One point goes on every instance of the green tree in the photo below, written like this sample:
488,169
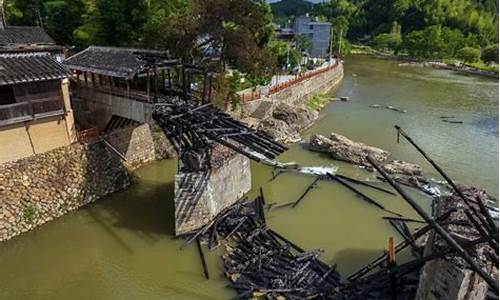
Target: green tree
340,25
387,41
490,53
303,42
284,54
469,54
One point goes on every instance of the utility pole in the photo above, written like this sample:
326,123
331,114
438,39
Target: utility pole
331,43
340,43
38,14
287,56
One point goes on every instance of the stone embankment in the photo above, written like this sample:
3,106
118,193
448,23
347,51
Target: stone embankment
43,187
40,188
283,113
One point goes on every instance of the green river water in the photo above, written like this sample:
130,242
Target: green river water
122,246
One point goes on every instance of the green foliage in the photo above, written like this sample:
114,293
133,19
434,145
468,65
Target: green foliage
291,7
387,41
469,54
318,101
29,213
285,54
490,53
303,42
443,25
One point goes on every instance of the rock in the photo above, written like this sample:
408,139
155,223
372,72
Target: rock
345,98
287,121
402,167
375,105
342,148
279,130
297,117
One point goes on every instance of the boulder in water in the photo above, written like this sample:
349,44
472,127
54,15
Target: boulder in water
342,148
402,167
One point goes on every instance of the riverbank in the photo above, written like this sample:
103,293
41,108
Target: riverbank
446,64
286,110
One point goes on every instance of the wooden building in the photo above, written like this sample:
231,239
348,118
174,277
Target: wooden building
35,110
123,82
22,39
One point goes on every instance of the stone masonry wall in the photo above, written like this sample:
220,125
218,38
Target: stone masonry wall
141,144
300,92
443,280
40,188
227,183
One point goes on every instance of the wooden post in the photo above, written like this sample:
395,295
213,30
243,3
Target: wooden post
209,89
128,88
85,78
204,95
391,262
202,257
148,87
392,252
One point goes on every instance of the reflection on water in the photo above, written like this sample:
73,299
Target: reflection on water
122,247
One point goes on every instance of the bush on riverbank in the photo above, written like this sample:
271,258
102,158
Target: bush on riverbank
317,102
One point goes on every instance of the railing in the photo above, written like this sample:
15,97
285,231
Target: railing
88,135
256,95
29,110
279,87
115,91
250,96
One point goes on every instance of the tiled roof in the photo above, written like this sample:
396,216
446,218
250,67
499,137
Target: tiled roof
116,62
30,67
24,35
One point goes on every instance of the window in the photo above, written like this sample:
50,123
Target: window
7,95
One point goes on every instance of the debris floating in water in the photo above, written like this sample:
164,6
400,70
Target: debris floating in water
396,109
294,167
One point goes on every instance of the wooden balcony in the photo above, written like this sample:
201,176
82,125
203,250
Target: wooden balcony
31,110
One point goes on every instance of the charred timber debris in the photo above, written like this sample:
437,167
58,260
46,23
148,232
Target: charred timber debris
260,262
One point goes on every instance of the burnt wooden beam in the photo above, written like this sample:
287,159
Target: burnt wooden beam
308,189
438,229
450,182
202,258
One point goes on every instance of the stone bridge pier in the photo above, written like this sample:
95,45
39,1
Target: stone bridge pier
200,196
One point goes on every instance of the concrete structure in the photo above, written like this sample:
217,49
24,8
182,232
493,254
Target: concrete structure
35,109
319,33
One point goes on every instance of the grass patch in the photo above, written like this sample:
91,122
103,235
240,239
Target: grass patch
482,66
29,213
317,102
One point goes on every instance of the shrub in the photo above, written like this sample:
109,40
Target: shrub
469,54
490,53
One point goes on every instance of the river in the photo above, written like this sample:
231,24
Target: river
122,246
